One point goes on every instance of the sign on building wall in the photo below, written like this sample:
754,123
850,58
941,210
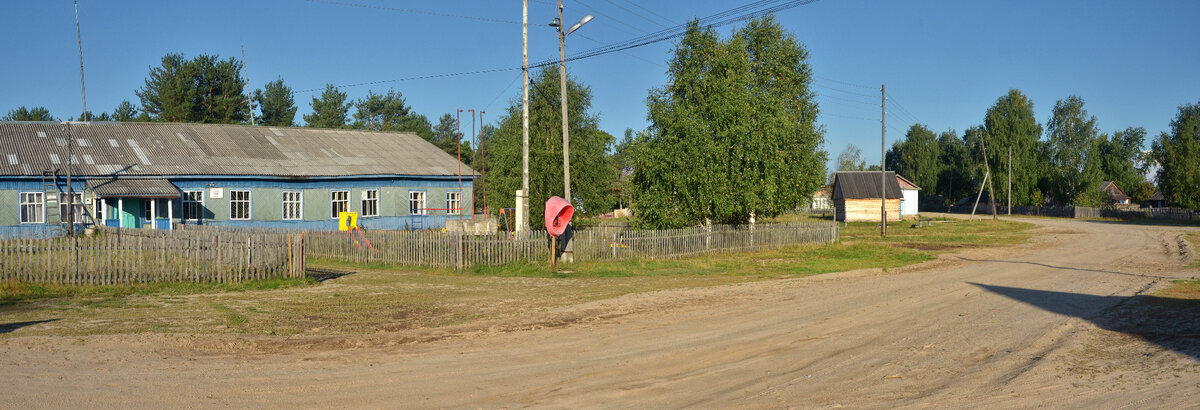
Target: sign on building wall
216,193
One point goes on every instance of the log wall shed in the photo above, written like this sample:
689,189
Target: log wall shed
856,196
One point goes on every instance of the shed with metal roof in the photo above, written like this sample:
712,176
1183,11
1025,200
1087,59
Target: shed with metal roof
857,196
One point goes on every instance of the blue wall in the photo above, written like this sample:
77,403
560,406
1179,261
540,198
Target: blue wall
266,200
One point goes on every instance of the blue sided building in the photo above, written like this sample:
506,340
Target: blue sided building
160,175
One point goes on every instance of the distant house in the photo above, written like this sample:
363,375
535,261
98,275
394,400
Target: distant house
1118,196
856,196
1156,201
823,199
158,175
908,201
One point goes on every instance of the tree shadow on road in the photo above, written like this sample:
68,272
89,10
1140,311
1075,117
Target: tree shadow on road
1170,323
10,327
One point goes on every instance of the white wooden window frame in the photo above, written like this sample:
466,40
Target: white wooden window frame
193,207
453,203
233,201
296,203
370,202
416,203
339,201
32,204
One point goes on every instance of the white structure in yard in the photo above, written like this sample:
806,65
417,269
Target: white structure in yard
908,200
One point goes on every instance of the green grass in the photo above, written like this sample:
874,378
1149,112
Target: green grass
790,261
14,292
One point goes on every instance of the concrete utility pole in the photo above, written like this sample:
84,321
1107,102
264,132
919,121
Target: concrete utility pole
882,161
568,250
483,165
474,148
523,194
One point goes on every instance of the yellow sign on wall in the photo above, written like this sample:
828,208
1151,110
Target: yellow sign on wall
347,220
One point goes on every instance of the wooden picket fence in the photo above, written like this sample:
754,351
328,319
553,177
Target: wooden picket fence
211,254
120,256
455,250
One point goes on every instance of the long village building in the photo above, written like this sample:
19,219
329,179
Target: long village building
158,175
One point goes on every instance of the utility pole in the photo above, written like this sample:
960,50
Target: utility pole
882,161
70,138
568,255
458,147
523,196
1010,180
483,163
246,72
474,148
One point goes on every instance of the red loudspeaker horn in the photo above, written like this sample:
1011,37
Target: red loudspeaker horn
558,214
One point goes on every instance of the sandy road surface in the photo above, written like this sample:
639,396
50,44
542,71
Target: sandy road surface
1015,327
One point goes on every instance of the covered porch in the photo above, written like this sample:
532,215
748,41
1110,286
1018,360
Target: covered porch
135,203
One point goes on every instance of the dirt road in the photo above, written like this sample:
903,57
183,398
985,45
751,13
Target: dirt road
1033,325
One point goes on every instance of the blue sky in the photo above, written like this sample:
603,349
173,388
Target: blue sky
944,62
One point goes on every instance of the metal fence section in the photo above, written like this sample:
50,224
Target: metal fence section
121,256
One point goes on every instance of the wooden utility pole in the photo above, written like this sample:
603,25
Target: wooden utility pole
1010,180
882,160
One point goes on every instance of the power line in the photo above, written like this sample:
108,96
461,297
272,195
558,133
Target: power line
611,18
906,111
845,99
849,117
669,21
635,13
502,92
843,91
413,11
736,14
869,87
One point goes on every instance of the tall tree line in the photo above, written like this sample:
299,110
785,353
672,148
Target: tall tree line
1062,163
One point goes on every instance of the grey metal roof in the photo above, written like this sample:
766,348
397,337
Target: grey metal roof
134,188
863,184
152,149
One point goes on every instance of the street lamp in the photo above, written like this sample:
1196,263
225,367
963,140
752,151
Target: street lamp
562,84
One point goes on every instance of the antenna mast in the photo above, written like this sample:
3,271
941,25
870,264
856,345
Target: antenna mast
246,72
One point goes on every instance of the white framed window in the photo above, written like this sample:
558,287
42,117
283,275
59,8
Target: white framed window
454,203
193,205
370,202
339,201
33,207
293,205
77,204
416,203
239,205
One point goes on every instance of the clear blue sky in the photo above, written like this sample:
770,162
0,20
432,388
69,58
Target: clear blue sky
944,62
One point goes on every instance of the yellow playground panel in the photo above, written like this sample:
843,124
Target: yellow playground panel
347,221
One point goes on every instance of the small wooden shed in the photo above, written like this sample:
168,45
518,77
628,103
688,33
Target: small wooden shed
856,196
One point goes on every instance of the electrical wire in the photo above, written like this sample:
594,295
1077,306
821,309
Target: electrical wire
843,91
643,17
413,11
734,15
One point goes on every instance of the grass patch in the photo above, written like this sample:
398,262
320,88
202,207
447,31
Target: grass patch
1182,289
12,292
1193,239
789,261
